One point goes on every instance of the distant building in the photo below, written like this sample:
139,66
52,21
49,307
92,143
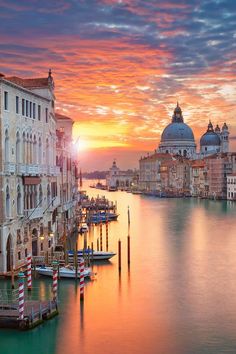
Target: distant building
66,160
231,186
177,137
117,179
150,170
214,141
218,167
199,186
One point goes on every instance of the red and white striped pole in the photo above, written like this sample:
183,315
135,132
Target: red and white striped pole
54,280
21,297
29,273
81,278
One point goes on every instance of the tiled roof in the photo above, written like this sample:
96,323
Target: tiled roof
29,83
156,156
61,116
196,164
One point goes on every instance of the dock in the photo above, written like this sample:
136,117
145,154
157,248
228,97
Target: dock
35,313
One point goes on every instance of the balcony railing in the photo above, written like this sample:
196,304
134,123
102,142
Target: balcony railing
9,167
33,213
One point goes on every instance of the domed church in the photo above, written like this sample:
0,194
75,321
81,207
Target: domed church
215,140
177,137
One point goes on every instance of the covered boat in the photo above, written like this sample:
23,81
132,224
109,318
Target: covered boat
65,272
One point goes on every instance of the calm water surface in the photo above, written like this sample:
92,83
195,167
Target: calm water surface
179,296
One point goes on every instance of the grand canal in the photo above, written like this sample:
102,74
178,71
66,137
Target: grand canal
178,297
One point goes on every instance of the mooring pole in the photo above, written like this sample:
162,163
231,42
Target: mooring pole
128,249
29,272
21,295
119,255
54,280
81,279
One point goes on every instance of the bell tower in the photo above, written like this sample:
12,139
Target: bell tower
225,138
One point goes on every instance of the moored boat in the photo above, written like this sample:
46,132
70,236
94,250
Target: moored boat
102,217
65,272
96,255
83,228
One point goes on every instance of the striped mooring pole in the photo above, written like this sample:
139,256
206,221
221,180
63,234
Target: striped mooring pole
81,278
54,280
29,273
21,295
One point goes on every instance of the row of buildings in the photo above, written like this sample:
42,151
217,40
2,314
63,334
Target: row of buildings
175,175
177,169
39,172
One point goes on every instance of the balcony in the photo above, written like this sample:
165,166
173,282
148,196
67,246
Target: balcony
9,167
32,169
33,213
54,204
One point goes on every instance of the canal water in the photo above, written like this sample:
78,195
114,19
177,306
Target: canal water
178,297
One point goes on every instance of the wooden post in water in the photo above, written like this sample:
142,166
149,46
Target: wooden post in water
85,240
76,261
34,265
88,255
128,249
100,236
128,217
92,252
119,255
106,235
97,244
46,258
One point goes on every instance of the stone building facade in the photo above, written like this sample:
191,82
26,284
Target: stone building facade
117,179
30,178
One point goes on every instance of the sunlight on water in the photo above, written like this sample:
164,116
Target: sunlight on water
178,297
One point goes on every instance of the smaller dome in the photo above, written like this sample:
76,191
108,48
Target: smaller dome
210,138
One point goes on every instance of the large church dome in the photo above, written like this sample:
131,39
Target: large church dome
177,137
177,131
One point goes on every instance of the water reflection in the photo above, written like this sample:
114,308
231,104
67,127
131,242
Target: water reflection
177,296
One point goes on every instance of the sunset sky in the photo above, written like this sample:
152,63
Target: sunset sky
120,66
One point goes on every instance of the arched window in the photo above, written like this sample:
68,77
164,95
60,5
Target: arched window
8,202
35,150
18,147
47,152
40,151
30,149
18,204
31,192
27,149
40,195
35,196
24,150
6,146
48,195
25,197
